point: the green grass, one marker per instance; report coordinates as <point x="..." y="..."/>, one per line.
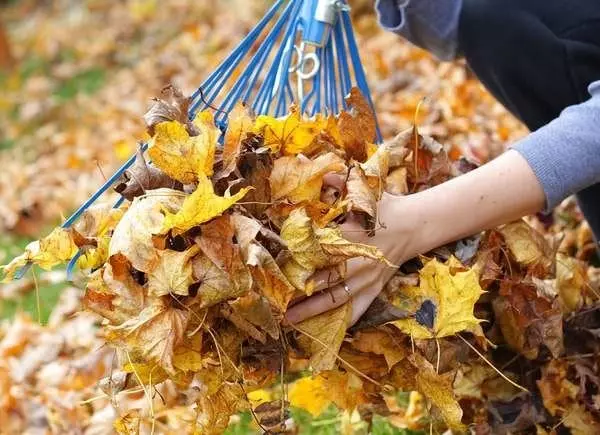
<point x="327" y="423"/>
<point x="11" y="246"/>
<point x="87" y="82"/>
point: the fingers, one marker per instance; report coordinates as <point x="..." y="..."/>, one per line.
<point x="361" y="302"/>
<point x="317" y="304"/>
<point x="326" y="278"/>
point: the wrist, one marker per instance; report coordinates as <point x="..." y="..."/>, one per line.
<point x="399" y="234"/>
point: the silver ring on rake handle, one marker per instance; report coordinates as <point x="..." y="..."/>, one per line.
<point x="300" y="66"/>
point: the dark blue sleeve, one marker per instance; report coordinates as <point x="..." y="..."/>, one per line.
<point x="429" y="24"/>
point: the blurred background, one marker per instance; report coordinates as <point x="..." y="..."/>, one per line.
<point x="76" y="76"/>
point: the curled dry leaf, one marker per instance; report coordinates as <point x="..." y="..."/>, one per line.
<point x="132" y="236"/>
<point x="361" y="199"/>
<point x="173" y="106"/>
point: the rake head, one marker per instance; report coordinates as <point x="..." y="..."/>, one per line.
<point x="301" y="51"/>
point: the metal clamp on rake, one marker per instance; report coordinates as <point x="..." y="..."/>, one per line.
<point x="301" y="51"/>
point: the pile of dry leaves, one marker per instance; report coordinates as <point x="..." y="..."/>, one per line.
<point x="192" y="277"/>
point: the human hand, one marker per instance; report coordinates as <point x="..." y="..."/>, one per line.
<point x="364" y="278"/>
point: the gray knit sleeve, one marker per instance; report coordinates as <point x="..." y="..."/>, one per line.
<point x="565" y="154"/>
<point x="429" y="24"/>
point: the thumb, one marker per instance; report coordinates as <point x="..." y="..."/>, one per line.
<point x="334" y="180"/>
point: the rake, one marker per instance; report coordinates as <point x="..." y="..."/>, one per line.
<point x="301" y="51"/>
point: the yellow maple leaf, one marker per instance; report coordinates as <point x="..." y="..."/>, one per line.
<point x="56" y="248"/>
<point x="315" y="394"/>
<point x="149" y="373"/>
<point x="290" y="134"/>
<point x="133" y="234"/>
<point x="173" y="273"/>
<point x="453" y="291"/>
<point x="297" y="179"/>
<point x="321" y="336"/>
<point x="181" y="156"/>
<point x="199" y="207"/>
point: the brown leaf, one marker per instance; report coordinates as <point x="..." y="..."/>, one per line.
<point x="382" y="342"/>
<point x="217" y="242"/>
<point x="257" y="310"/>
<point x="528" y="320"/>
<point x="273" y="415"/>
<point x="255" y="169"/>
<point x="142" y="177"/>
<point x="357" y="127"/>
<point x="242" y="324"/>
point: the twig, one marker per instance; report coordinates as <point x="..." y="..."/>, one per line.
<point x="492" y="365"/>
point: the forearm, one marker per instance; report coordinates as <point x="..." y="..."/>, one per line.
<point x="496" y="193"/>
